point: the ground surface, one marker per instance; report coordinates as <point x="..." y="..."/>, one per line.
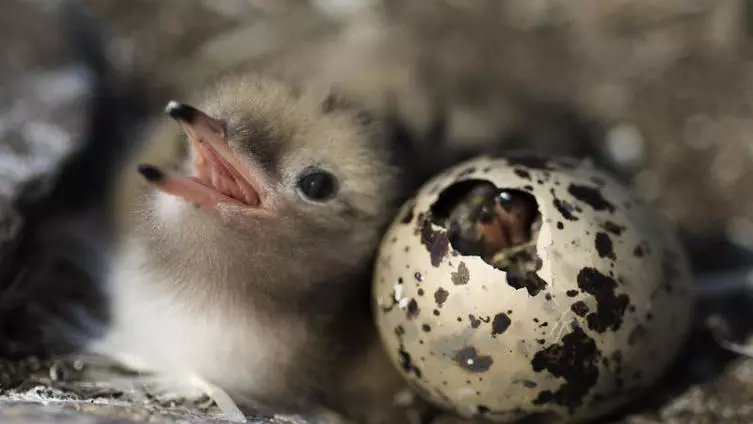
<point x="665" y="92"/>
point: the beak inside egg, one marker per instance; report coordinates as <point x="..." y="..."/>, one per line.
<point x="500" y="225"/>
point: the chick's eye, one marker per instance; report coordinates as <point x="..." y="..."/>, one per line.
<point x="317" y="184"/>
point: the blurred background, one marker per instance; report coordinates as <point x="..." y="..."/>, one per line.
<point x="660" y="92"/>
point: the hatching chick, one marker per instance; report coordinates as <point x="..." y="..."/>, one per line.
<point x="495" y="224"/>
<point x="244" y="260"/>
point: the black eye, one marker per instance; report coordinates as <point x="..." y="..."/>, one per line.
<point x="506" y="200"/>
<point x="317" y="184"/>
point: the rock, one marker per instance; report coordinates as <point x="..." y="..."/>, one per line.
<point x="173" y="47"/>
<point x="63" y="390"/>
<point x="44" y="95"/>
<point x="725" y="400"/>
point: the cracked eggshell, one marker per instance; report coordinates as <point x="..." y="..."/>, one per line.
<point x="604" y="319"/>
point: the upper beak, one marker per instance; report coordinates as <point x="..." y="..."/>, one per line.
<point x="216" y="164"/>
<point x="199" y="126"/>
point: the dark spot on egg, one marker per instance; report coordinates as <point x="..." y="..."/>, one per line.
<point x="604" y="246"/>
<point x="436" y="242"/>
<point x="461" y="276"/>
<point x="522" y="173"/>
<point x="470" y="359"/>
<point x="529" y="384"/>
<point x="435" y="312"/>
<point x="475" y="322"/>
<point x="591" y="196"/>
<point x="443" y="396"/>
<point x="426" y="327"/>
<point x="408" y="216"/>
<point x="466" y="172"/>
<point x="420" y="292"/>
<point x="574" y="360"/>
<point x="548" y="296"/>
<point x="500" y="324"/>
<point x="418" y="277"/>
<point x="440" y="296"/>
<point x="560" y="225"/>
<point x="528" y="187"/>
<point x="412" y="310"/>
<point x="544" y="397"/>
<point x="399" y="331"/>
<point x="579" y="308"/>
<point x="564" y="208"/>
<point x="610" y="307"/>
<point x="572" y="293"/>
<point x="406" y="363"/>
<point x="638" y="251"/>
<point x="613" y="228"/>
<point x="482" y="409"/>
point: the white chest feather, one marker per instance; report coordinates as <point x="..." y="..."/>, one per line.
<point x="156" y="329"/>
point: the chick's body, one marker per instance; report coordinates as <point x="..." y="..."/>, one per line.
<point x="268" y="303"/>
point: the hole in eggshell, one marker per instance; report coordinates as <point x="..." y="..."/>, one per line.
<point x="500" y="225"/>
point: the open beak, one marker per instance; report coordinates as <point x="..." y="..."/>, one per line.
<point x="220" y="176"/>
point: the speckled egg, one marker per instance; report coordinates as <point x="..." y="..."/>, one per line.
<point x="590" y="317"/>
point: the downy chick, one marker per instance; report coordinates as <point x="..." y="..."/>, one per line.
<point x="245" y="246"/>
<point x="495" y="224"/>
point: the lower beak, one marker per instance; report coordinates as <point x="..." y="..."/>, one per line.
<point x="220" y="176"/>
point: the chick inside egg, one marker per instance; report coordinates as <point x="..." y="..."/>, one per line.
<point x="499" y="225"/>
<point x="515" y="289"/>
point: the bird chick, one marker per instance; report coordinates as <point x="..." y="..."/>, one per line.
<point x="495" y="224"/>
<point x="245" y="250"/>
